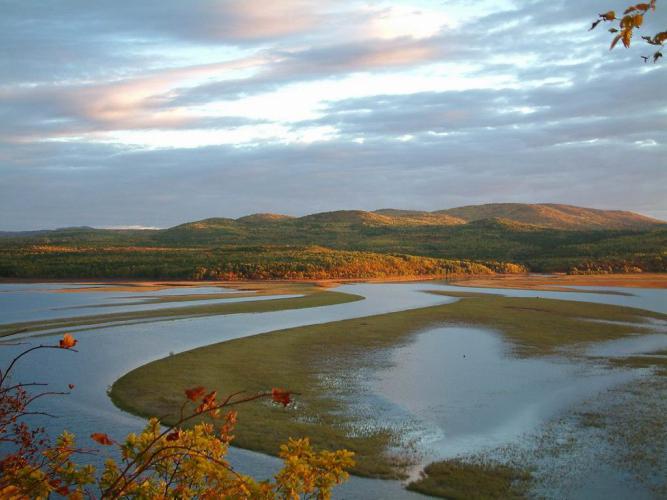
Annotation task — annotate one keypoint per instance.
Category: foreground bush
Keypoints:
(185, 460)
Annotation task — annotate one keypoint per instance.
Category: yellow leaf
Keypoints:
(627, 36)
(638, 20)
(615, 41)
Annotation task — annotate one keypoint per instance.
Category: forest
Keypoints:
(336, 245)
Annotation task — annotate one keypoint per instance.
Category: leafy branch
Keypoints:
(623, 27)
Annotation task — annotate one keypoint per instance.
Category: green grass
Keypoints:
(320, 362)
(656, 361)
(458, 480)
(312, 299)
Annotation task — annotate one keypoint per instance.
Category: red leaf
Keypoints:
(71, 386)
(63, 490)
(210, 398)
(67, 342)
(195, 393)
(101, 438)
(280, 396)
(208, 403)
(173, 436)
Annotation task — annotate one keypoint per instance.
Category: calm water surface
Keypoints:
(43, 302)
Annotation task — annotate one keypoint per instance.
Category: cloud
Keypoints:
(298, 107)
(322, 62)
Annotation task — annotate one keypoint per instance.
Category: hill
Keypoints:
(554, 216)
(542, 238)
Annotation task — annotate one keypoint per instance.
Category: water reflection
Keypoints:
(469, 394)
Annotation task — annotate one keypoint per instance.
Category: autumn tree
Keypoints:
(623, 27)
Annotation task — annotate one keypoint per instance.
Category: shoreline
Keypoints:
(560, 281)
(530, 281)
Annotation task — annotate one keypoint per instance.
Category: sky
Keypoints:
(154, 113)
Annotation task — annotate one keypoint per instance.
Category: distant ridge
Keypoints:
(517, 215)
(351, 243)
(545, 215)
(554, 216)
(263, 217)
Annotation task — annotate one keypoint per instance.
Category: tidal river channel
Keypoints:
(459, 388)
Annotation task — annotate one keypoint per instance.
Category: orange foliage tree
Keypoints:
(623, 27)
(185, 460)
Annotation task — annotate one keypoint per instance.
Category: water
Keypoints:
(629, 346)
(20, 302)
(469, 394)
(486, 397)
(651, 299)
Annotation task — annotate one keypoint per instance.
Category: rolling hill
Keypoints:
(542, 237)
(554, 216)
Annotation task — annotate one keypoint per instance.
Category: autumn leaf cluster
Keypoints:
(624, 26)
(186, 460)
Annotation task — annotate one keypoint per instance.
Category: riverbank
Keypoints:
(561, 282)
(525, 281)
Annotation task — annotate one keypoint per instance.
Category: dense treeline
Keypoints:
(232, 263)
(275, 249)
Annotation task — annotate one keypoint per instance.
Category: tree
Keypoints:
(185, 460)
(623, 27)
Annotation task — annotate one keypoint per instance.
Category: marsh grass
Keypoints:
(319, 362)
(461, 480)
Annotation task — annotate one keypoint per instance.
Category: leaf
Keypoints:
(626, 37)
(63, 491)
(660, 37)
(615, 41)
(210, 398)
(208, 403)
(195, 393)
(630, 9)
(613, 30)
(637, 20)
(101, 438)
(70, 386)
(67, 342)
(173, 436)
(608, 16)
(280, 396)
(594, 25)
(657, 56)
(627, 22)
(642, 6)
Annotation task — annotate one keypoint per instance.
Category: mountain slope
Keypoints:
(542, 237)
(554, 216)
